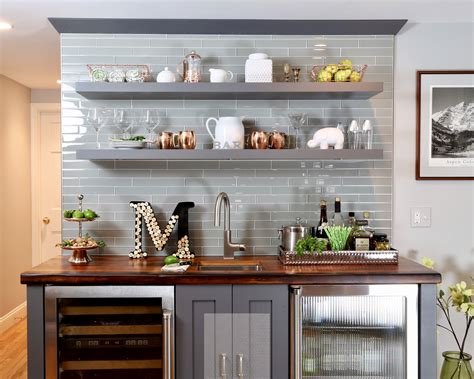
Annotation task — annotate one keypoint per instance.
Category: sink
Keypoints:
(239, 265)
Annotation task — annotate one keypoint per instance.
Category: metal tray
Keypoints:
(346, 257)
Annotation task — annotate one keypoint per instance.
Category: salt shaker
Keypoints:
(367, 135)
(354, 134)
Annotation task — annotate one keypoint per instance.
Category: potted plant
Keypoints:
(460, 297)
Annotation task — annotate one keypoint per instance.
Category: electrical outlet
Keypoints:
(421, 217)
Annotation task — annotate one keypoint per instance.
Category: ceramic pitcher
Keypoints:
(229, 132)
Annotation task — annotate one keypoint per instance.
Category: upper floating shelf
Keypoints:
(240, 155)
(228, 91)
(229, 26)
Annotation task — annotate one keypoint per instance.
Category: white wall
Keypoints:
(450, 239)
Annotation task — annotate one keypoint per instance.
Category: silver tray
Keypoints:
(345, 257)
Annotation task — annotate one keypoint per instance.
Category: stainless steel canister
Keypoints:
(291, 234)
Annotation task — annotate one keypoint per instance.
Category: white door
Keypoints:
(46, 185)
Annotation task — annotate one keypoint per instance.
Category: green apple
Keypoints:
(78, 214)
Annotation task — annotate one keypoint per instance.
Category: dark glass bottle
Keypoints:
(323, 220)
(337, 220)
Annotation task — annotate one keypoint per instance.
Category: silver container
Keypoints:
(291, 234)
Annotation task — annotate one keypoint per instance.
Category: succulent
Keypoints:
(345, 63)
(355, 76)
(332, 68)
(324, 76)
(342, 75)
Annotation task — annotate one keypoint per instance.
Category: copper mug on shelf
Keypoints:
(276, 140)
(258, 140)
(165, 140)
(185, 140)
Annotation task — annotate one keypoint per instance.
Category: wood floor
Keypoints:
(13, 352)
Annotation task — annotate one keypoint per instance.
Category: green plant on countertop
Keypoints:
(461, 298)
(338, 236)
(310, 244)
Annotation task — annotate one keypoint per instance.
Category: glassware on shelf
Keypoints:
(96, 118)
(354, 135)
(297, 120)
(123, 122)
(192, 70)
(367, 135)
(150, 120)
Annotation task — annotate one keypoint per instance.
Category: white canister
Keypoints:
(229, 133)
(220, 76)
(166, 76)
(258, 69)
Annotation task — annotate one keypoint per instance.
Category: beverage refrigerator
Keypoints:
(354, 331)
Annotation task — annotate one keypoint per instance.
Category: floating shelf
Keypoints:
(222, 26)
(228, 91)
(242, 155)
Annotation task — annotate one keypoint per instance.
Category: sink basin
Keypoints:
(239, 265)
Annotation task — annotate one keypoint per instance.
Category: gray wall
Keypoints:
(264, 194)
(450, 240)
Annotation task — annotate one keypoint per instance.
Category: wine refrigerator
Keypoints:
(105, 332)
(354, 332)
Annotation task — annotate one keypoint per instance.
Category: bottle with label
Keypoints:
(337, 219)
(323, 220)
(361, 238)
(366, 216)
(352, 220)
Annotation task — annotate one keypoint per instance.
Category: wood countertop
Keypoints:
(121, 270)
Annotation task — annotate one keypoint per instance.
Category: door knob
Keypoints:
(46, 220)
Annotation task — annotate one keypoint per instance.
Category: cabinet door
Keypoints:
(203, 317)
(261, 331)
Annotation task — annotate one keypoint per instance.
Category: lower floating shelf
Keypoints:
(238, 155)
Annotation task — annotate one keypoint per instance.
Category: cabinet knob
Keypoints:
(46, 220)
(240, 366)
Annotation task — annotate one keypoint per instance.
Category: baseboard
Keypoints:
(13, 317)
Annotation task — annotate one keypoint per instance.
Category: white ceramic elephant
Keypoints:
(327, 137)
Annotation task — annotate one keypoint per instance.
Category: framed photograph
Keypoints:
(445, 125)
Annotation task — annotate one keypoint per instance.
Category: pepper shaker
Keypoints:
(286, 71)
(296, 74)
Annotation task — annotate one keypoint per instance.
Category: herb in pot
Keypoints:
(310, 244)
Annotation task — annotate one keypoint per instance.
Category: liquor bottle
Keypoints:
(323, 220)
(368, 228)
(352, 220)
(337, 219)
(361, 238)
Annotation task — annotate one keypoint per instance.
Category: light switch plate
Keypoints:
(420, 217)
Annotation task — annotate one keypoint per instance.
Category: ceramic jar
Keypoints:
(166, 76)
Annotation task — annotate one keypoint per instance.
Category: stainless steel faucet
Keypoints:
(229, 247)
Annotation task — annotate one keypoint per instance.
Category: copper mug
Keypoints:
(185, 140)
(166, 140)
(277, 140)
(259, 140)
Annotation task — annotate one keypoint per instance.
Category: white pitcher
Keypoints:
(229, 132)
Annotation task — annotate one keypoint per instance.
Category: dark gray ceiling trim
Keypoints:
(220, 26)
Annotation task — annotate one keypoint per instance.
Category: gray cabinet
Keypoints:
(232, 330)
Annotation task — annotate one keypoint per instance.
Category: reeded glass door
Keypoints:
(357, 332)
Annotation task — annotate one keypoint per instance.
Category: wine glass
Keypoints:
(95, 118)
(123, 122)
(297, 120)
(151, 120)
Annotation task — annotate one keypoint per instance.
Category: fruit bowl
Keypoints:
(330, 73)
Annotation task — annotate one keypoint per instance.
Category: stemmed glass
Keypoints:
(297, 120)
(151, 120)
(95, 118)
(123, 122)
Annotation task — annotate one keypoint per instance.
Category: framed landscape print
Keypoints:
(445, 125)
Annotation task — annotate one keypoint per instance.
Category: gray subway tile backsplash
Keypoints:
(264, 194)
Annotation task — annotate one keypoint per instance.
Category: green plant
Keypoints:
(310, 244)
(460, 296)
(338, 236)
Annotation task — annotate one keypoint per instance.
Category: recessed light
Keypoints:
(319, 49)
(320, 45)
(5, 26)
